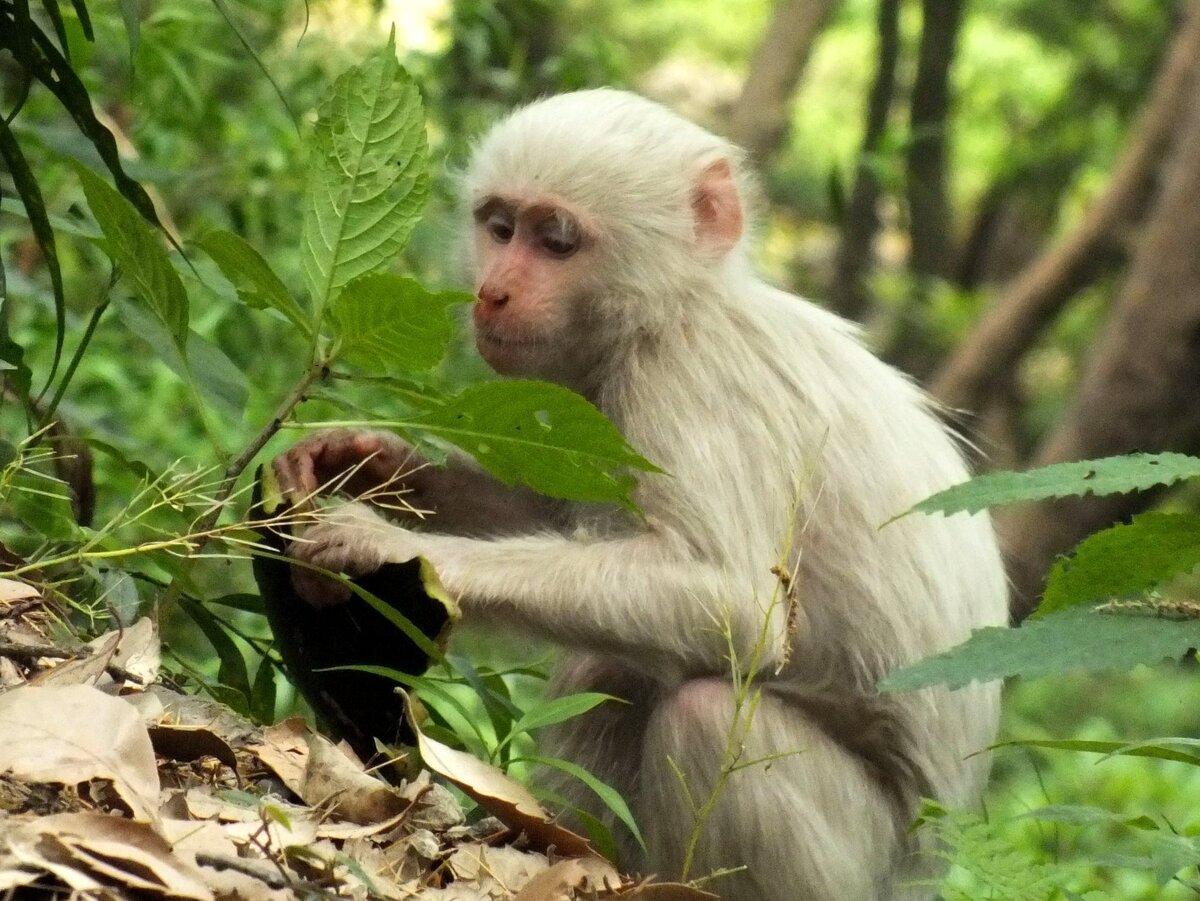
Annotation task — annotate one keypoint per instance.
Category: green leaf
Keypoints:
(256, 284)
(232, 672)
(1107, 748)
(610, 796)
(1111, 475)
(1124, 560)
(203, 364)
(39, 223)
(1079, 638)
(369, 175)
(558, 710)
(262, 695)
(138, 253)
(390, 325)
(540, 435)
(1080, 815)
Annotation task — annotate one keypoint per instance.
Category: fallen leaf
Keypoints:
(569, 879)
(75, 733)
(504, 798)
(112, 849)
(81, 671)
(12, 591)
(138, 651)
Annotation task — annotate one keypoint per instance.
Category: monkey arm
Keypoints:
(466, 500)
(639, 597)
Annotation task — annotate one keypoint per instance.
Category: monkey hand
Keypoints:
(361, 463)
(352, 539)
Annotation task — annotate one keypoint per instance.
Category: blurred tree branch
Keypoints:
(847, 294)
(1139, 391)
(760, 117)
(1038, 294)
(928, 204)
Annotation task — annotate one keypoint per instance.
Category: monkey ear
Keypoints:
(717, 208)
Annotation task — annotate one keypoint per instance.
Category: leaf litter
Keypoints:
(115, 786)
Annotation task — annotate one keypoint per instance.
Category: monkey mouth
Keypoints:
(507, 342)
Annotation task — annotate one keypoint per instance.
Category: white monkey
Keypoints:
(609, 255)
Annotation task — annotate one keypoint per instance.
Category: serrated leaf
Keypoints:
(390, 325)
(1124, 560)
(369, 176)
(540, 435)
(1077, 639)
(139, 254)
(253, 279)
(1110, 475)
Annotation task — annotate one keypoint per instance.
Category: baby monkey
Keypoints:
(609, 253)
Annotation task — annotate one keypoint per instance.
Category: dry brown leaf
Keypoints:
(335, 782)
(509, 868)
(74, 733)
(504, 798)
(12, 591)
(138, 651)
(569, 879)
(81, 671)
(98, 846)
(284, 750)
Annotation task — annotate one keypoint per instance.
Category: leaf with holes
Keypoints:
(540, 435)
(1110, 475)
(369, 175)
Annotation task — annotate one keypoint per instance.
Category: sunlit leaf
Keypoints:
(369, 175)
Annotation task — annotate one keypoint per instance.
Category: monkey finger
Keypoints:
(318, 589)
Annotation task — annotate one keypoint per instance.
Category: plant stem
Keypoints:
(105, 300)
(318, 371)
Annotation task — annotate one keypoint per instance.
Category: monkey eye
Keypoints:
(558, 234)
(499, 225)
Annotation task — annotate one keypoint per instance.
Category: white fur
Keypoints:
(776, 430)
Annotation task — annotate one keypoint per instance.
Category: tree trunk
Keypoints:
(1035, 298)
(760, 119)
(1141, 389)
(928, 206)
(848, 295)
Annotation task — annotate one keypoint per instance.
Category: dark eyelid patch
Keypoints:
(493, 205)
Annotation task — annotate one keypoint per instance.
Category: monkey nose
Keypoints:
(492, 296)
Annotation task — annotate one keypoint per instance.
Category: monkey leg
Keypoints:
(802, 815)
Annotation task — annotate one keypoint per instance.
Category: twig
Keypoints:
(32, 653)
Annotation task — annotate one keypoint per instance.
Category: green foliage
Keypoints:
(1111, 475)
(1124, 560)
(256, 284)
(138, 254)
(369, 175)
(540, 435)
(1056, 644)
(390, 325)
(987, 865)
